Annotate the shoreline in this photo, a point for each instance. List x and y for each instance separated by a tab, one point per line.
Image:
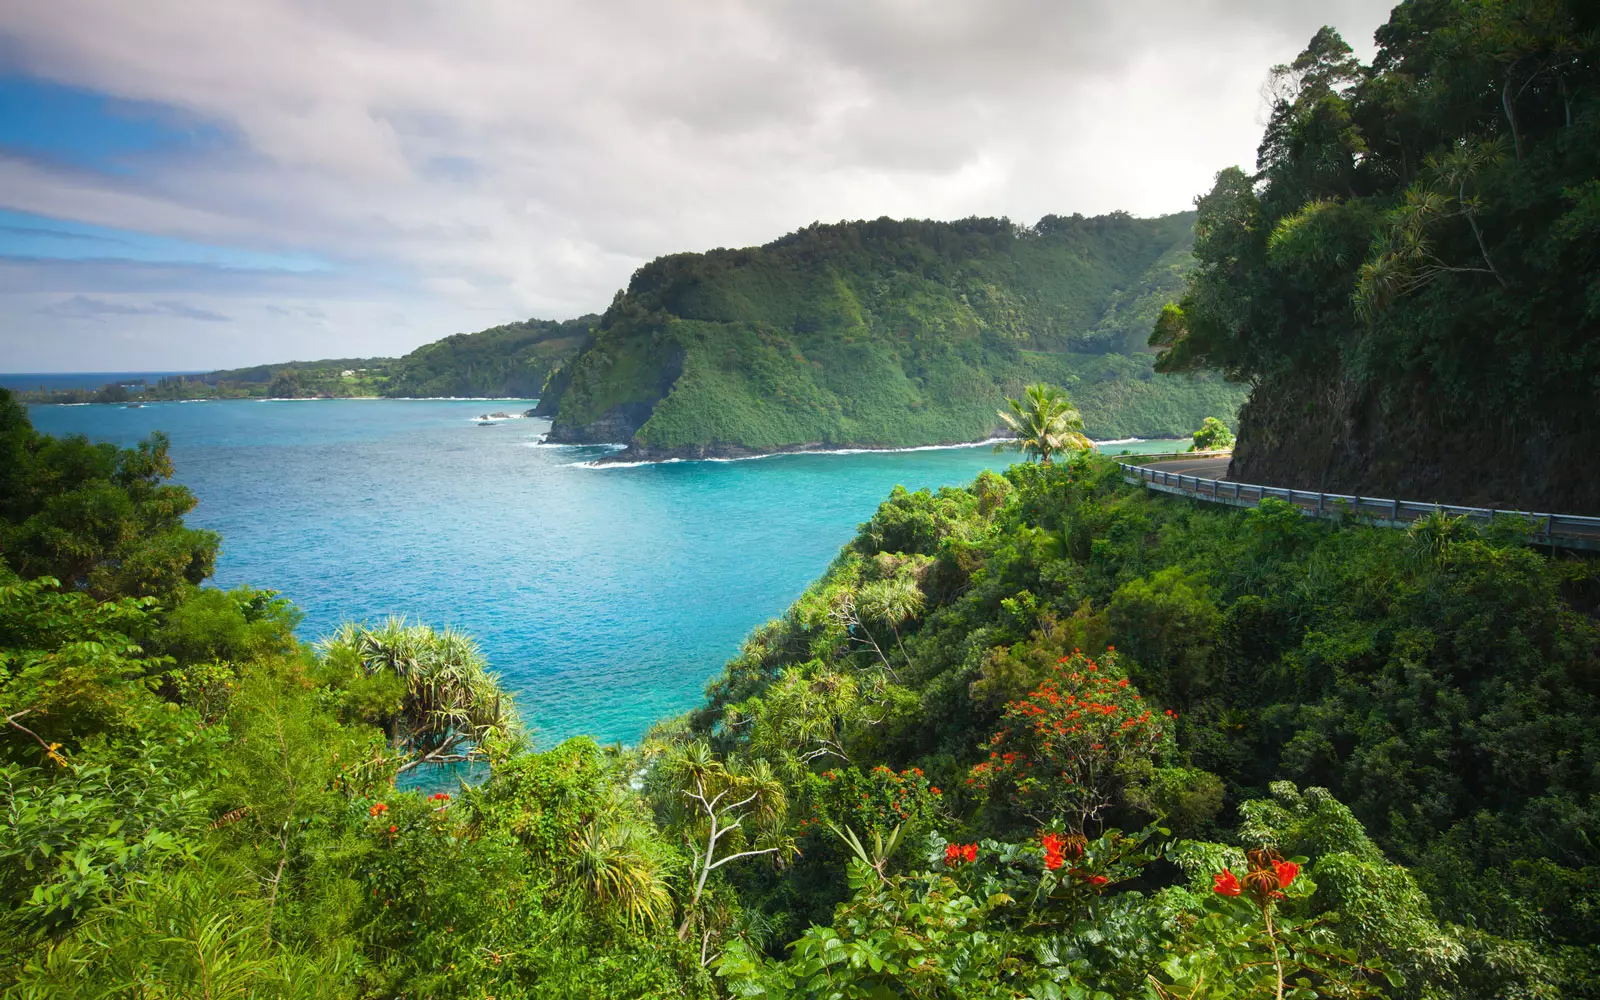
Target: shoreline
621	459
628	457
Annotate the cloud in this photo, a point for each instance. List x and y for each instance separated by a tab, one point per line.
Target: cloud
85	307
502	159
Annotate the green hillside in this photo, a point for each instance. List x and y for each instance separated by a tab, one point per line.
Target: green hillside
886	333
510	360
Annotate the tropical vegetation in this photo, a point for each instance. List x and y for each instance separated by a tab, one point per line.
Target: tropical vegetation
1043	424
1213	435
1415	248
1047	735
1044	735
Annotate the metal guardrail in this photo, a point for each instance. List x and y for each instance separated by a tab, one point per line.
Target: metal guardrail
1562	530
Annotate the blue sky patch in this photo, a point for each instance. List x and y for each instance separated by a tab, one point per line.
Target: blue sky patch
96	131
24	234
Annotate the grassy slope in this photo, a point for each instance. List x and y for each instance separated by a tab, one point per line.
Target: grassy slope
891	333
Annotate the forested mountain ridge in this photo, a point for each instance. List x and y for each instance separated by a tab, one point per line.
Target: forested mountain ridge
1409	276
884	333
512	360
509	360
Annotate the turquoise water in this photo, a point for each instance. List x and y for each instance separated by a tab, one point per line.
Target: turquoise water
606	597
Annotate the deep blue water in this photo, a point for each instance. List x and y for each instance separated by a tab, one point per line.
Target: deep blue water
605	597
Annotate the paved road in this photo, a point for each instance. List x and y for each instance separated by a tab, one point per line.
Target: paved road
1205	468
1568	530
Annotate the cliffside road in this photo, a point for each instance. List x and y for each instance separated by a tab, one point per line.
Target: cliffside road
1203	479
1205	468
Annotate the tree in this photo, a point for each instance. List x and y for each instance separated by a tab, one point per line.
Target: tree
1213	435
1045	424
449	705
1066	750
94	516
285	385
715	801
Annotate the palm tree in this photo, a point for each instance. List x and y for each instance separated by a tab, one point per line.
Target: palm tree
1045	424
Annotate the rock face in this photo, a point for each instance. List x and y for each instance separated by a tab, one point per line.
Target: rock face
616	426
1339	435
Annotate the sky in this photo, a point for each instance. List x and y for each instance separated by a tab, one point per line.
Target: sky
191	186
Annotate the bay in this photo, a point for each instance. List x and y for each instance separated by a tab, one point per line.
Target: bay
606	597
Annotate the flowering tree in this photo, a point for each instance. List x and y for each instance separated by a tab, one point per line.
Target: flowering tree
1256	950
1064	750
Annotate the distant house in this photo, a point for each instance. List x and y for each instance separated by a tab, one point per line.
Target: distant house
347	373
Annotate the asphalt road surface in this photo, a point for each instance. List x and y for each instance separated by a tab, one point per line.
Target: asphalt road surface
1205	468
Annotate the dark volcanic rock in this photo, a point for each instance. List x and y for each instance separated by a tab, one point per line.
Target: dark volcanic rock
1340	435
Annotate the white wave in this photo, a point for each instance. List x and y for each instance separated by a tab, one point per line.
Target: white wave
786	454
819	451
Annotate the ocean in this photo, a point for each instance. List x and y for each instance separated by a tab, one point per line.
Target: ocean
606	597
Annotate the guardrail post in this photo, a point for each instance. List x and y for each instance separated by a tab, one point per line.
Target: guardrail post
1319	503
1394	511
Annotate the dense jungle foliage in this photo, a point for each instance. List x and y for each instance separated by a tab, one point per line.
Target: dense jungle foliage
1044	736
887	333
1418	246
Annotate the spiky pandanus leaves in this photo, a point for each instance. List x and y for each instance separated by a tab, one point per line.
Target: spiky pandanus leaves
1045	424
452	704
619	874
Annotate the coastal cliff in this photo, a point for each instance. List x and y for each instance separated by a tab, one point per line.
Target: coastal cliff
884	334
1341	434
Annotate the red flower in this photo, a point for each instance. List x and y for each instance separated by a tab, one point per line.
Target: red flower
952	854
1226	883
1099	880
1287	870
377	810
1053	860
969	853
392	829
935	790
1053	842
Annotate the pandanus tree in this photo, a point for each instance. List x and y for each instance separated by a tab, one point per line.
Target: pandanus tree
1045	424
449	704
727	809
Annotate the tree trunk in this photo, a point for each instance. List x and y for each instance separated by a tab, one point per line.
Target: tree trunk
1511	115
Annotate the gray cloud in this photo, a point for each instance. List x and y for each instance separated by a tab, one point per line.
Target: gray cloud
86	307
471	163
